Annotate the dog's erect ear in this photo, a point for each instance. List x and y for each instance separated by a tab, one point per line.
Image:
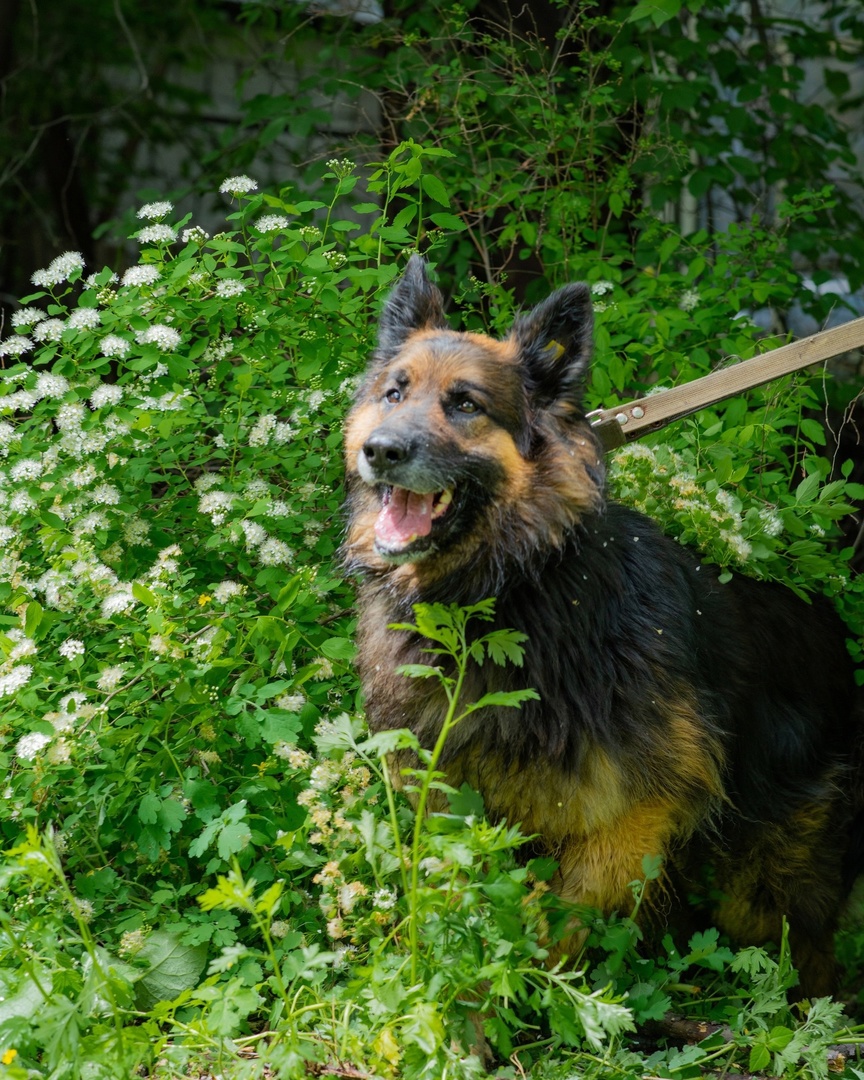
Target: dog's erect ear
555	345
414	304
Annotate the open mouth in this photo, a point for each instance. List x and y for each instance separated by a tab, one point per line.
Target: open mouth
407	519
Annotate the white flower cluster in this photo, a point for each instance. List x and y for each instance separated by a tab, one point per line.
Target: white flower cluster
27	316
157	234
84	318
341	166
268	429
15	345
271	223
155	211
114	345
230	287
145	274
48	330
195	235
164	337
238	185
58	270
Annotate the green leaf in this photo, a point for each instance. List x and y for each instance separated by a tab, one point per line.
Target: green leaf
339	648
433	187
806	490
233	838
509	698
32	618
448	221
173	968
504	646
144	595
417	671
149	807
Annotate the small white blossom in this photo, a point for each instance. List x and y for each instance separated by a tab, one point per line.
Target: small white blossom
155	210
21	503
70	416
772	523
27	316
166	337
741	547
71	648
206	481
111	677
273	552
216	504
114	345
194	235
157	234
15	679
238	185
600	288
262	429
58	270
118	602
133	941
291	702
140	275
22	400
26	469
105	494
59	752
50	385
28	746
106	394
227	590
7	432
24	646
230	287
48	330
271	223
689	300
384	899
255	534
90	524
15	345
135	531
83	475
323	668
84	318
341	166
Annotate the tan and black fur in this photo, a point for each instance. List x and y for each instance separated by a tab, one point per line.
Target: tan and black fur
676	716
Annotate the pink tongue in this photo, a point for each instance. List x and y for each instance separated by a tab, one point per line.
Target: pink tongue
405	516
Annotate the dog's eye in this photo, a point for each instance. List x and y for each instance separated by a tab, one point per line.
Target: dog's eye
466	405
393	396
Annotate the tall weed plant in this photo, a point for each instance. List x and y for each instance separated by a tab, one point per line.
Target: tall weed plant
206	863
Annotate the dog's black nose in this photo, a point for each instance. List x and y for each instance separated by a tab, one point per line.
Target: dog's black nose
384	449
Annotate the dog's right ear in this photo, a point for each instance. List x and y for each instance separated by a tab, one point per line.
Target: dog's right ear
414	304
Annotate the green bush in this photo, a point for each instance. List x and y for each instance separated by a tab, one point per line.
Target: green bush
204	856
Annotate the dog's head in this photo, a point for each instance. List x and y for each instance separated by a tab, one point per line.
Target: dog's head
458	444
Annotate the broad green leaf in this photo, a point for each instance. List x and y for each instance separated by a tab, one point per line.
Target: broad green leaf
172	968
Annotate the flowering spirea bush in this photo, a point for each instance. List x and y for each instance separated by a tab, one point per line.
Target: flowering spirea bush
178	705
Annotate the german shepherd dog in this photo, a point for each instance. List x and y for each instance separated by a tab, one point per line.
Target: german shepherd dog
677	716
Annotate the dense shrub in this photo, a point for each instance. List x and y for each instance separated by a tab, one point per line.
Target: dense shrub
204	856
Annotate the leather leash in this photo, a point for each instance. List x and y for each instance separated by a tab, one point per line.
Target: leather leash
624	423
